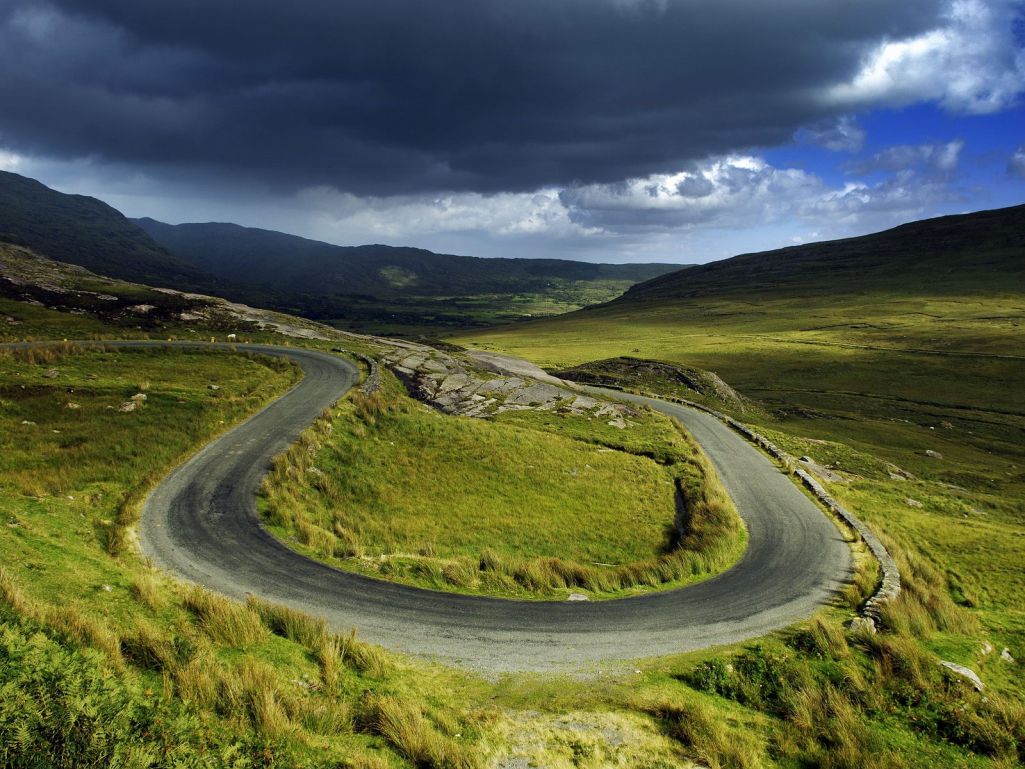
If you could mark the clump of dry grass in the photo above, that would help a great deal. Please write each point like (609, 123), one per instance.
(328, 717)
(68, 621)
(45, 355)
(924, 604)
(365, 658)
(119, 533)
(146, 590)
(253, 690)
(15, 599)
(224, 620)
(294, 625)
(71, 622)
(708, 739)
(404, 725)
(369, 406)
(148, 648)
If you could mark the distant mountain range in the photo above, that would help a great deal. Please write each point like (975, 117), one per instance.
(274, 259)
(374, 287)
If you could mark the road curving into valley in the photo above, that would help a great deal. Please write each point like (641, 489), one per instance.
(200, 523)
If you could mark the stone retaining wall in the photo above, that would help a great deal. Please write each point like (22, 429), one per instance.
(373, 381)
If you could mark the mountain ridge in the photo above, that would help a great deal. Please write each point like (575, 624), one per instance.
(978, 250)
(226, 249)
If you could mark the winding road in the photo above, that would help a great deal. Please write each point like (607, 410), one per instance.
(201, 523)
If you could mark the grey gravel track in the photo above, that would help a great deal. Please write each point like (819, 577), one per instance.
(201, 524)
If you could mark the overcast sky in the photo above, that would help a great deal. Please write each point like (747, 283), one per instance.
(607, 130)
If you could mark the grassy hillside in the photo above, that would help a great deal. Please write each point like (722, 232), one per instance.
(375, 288)
(87, 232)
(45, 299)
(969, 253)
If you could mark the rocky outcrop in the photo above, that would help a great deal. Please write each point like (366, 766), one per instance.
(654, 376)
(475, 388)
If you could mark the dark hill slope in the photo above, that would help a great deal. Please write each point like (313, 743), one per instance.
(291, 263)
(85, 231)
(982, 251)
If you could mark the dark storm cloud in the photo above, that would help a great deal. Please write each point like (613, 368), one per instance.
(403, 96)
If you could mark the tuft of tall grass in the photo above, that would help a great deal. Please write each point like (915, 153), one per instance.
(404, 725)
(15, 599)
(147, 648)
(924, 604)
(294, 625)
(327, 717)
(146, 590)
(71, 622)
(253, 689)
(224, 620)
(369, 406)
(709, 740)
(365, 658)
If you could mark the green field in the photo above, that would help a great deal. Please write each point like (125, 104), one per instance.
(527, 505)
(430, 316)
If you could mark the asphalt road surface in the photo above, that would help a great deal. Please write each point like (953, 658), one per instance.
(201, 524)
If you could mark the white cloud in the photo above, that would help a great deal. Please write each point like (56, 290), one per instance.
(970, 64)
(939, 157)
(741, 191)
(721, 191)
(504, 214)
(734, 194)
(1016, 165)
(841, 135)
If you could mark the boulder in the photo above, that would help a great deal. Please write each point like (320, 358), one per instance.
(966, 673)
(862, 625)
(933, 454)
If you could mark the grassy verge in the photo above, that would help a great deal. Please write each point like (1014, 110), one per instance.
(525, 505)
